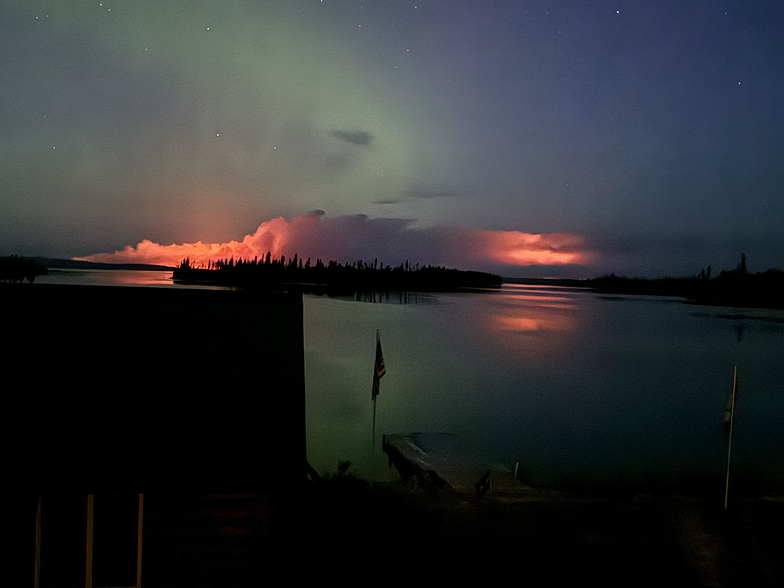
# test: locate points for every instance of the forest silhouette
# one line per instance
(357, 276)
(18, 269)
(736, 287)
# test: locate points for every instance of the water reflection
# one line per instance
(552, 296)
(575, 387)
(377, 297)
(117, 277)
(90, 277)
(534, 309)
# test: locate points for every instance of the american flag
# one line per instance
(379, 369)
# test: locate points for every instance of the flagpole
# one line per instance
(374, 421)
(375, 376)
(379, 369)
(729, 445)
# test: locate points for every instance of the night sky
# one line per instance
(533, 138)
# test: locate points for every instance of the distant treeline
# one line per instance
(736, 287)
(357, 276)
(18, 269)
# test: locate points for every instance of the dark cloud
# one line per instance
(354, 137)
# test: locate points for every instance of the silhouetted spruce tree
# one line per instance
(742, 265)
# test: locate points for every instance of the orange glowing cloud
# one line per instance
(516, 248)
(271, 236)
(351, 238)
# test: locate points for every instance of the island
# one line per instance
(333, 277)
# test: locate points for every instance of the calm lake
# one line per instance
(574, 387)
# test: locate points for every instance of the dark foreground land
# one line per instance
(347, 531)
(352, 533)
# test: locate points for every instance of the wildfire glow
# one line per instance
(351, 238)
(517, 248)
(271, 236)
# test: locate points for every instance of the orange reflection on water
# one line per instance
(519, 323)
(534, 320)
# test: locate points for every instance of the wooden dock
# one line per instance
(439, 462)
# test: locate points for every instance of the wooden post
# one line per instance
(37, 573)
(88, 572)
(139, 529)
